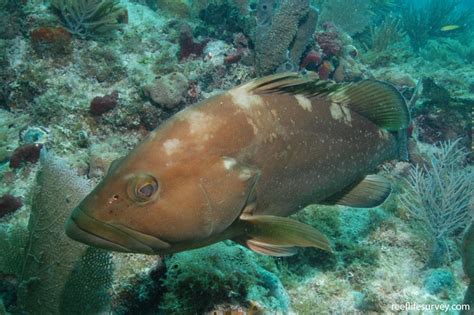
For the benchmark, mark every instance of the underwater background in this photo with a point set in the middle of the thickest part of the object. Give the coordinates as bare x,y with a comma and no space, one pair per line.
86,80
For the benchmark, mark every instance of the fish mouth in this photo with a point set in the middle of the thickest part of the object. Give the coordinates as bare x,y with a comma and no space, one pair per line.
83,228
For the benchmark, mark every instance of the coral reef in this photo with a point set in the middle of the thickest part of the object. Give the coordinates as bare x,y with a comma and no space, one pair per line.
439,280
225,18
338,56
235,276
168,91
287,30
426,21
51,41
174,53
26,153
187,45
330,41
103,64
13,241
143,292
103,104
9,204
10,20
439,194
89,18
179,8
56,273
388,33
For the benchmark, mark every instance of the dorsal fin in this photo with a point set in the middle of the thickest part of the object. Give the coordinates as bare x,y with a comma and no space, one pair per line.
370,192
291,83
378,101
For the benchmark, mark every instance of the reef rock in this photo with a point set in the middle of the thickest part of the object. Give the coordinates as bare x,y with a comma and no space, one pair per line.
168,91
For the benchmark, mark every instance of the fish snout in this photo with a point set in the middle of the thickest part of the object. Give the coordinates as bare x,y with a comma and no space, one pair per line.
86,229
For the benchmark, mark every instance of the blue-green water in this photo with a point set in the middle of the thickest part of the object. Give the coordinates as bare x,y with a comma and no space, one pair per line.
83,82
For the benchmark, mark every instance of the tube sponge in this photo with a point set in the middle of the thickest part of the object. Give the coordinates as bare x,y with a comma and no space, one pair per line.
283,34
58,273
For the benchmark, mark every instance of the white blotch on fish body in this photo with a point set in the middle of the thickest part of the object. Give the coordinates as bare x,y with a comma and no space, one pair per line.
383,134
244,99
171,146
199,122
229,163
304,102
254,126
245,174
340,113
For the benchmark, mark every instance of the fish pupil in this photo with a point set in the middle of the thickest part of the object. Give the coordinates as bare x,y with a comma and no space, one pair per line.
147,190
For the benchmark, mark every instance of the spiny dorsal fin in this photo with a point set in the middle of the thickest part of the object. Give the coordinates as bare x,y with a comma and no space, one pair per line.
278,236
367,193
378,101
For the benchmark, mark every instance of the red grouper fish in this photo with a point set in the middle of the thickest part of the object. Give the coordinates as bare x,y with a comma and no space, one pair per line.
235,165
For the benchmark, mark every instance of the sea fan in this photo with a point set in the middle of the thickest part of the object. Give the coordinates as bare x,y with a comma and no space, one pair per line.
439,195
88,18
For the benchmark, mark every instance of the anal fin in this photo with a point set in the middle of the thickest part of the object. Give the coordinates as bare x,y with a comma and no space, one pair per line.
368,193
279,236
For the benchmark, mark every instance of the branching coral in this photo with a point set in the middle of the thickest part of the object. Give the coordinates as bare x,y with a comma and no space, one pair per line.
439,194
88,18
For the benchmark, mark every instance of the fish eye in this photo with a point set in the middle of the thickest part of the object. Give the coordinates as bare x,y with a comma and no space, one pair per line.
143,188
147,190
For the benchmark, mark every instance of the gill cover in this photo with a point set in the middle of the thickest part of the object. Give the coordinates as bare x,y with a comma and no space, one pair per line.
226,187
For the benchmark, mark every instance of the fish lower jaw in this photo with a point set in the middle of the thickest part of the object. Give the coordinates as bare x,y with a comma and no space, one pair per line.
85,229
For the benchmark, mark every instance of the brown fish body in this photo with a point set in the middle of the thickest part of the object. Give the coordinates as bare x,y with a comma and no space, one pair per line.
245,152
305,153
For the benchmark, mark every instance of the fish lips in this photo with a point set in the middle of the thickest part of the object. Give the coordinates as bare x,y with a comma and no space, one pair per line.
83,228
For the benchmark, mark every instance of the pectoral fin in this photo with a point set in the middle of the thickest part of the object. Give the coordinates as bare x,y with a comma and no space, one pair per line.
278,236
367,193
